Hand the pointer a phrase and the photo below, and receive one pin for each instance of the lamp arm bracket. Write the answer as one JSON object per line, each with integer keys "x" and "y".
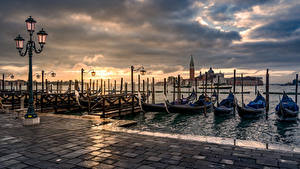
{"x": 37, "y": 50}
{"x": 26, "y": 50}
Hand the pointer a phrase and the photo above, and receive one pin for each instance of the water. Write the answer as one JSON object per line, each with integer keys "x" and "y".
{"x": 264, "y": 130}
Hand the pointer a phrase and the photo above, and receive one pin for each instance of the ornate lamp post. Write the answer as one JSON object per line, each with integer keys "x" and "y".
{"x": 30, "y": 48}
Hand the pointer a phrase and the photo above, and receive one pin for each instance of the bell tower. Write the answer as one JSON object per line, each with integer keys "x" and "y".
{"x": 192, "y": 69}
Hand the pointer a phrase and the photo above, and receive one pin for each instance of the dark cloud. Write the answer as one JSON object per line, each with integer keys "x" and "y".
{"x": 160, "y": 34}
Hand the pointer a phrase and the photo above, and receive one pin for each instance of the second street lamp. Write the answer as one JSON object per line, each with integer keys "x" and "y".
{"x": 93, "y": 73}
{"x": 30, "y": 48}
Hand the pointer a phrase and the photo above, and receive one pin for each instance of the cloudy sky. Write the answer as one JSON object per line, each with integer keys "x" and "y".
{"x": 111, "y": 35}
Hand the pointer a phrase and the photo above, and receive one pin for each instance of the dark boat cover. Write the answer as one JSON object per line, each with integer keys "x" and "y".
{"x": 287, "y": 103}
{"x": 258, "y": 103}
{"x": 228, "y": 102}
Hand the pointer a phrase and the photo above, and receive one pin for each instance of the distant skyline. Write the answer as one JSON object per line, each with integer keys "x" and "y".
{"x": 110, "y": 36}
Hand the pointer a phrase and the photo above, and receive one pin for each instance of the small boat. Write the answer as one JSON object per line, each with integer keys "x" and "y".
{"x": 287, "y": 109}
{"x": 203, "y": 104}
{"x": 254, "y": 109}
{"x": 226, "y": 107}
{"x": 160, "y": 107}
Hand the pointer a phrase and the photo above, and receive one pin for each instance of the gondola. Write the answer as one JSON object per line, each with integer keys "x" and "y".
{"x": 203, "y": 104}
{"x": 254, "y": 109}
{"x": 287, "y": 109}
{"x": 226, "y": 107}
{"x": 160, "y": 107}
{"x": 84, "y": 101}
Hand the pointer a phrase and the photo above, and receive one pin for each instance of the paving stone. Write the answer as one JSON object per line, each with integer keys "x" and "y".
{"x": 199, "y": 157}
{"x": 267, "y": 162}
{"x": 288, "y": 163}
{"x": 103, "y": 166}
{"x": 226, "y": 161}
{"x": 152, "y": 158}
{"x": 145, "y": 167}
{"x": 18, "y": 166}
{"x": 88, "y": 164}
{"x": 132, "y": 155}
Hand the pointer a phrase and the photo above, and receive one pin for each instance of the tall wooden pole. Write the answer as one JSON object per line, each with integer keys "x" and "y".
{"x": 3, "y": 81}
{"x": 47, "y": 89}
{"x": 132, "y": 88}
{"x": 174, "y": 87}
{"x": 139, "y": 83}
{"x": 165, "y": 86}
{"x": 242, "y": 79}
{"x": 234, "y": 80}
{"x": 108, "y": 86}
{"x": 153, "y": 91}
{"x": 97, "y": 85}
{"x": 178, "y": 88}
{"x": 43, "y": 76}
{"x": 121, "y": 86}
{"x": 101, "y": 86}
{"x": 196, "y": 86}
{"x": 255, "y": 87}
{"x": 147, "y": 90}
{"x": 205, "y": 83}
{"x": 143, "y": 86}
{"x": 126, "y": 87}
{"x": 218, "y": 90}
{"x": 296, "y": 92}
{"x": 104, "y": 88}
{"x": 115, "y": 86}
{"x": 82, "y": 87}
{"x": 267, "y": 91}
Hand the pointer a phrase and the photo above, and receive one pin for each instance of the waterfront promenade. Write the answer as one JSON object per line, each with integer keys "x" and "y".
{"x": 60, "y": 142}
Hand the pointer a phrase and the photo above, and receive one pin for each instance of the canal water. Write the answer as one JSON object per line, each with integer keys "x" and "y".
{"x": 263, "y": 130}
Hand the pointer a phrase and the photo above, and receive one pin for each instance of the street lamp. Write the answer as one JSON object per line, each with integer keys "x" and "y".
{"x": 93, "y": 73}
{"x": 30, "y": 48}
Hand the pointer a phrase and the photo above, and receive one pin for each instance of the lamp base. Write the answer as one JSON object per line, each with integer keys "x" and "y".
{"x": 31, "y": 121}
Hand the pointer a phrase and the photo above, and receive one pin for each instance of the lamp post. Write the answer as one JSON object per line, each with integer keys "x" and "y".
{"x": 30, "y": 48}
{"x": 93, "y": 73}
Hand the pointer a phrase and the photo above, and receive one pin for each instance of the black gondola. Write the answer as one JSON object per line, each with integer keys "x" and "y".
{"x": 254, "y": 109}
{"x": 160, "y": 107}
{"x": 287, "y": 109}
{"x": 203, "y": 104}
{"x": 226, "y": 107}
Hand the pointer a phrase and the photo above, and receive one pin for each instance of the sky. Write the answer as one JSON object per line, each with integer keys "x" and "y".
{"x": 109, "y": 36}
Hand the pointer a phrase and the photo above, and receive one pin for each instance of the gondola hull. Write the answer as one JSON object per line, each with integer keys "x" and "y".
{"x": 223, "y": 111}
{"x": 248, "y": 112}
{"x": 285, "y": 114}
{"x": 153, "y": 107}
{"x": 188, "y": 108}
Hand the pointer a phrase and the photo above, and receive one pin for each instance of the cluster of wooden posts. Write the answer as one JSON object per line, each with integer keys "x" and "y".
{"x": 57, "y": 98}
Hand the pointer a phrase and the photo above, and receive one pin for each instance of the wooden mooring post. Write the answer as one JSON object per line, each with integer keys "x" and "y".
{"x": 218, "y": 91}
{"x": 126, "y": 90}
{"x": 121, "y": 86}
{"x": 43, "y": 75}
{"x": 143, "y": 87}
{"x": 82, "y": 85}
{"x": 147, "y": 90}
{"x": 115, "y": 86}
{"x": 3, "y": 81}
{"x": 296, "y": 92}
{"x": 108, "y": 86}
{"x": 101, "y": 86}
{"x": 178, "y": 88}
{"x": 165, "y": 86}
{"x": 174, "y": 88}
{"x": 104, "y": 88}
{"x": 205, "y": 84}
{"x": 93, "y": 86}
{"x": 242, "y": 79}
{"x": 153, "y": 91}
{"x": 97, "y": 86}
{"x": 139, "y": 83}
{"x": 196, "y": 86}
{"x": 234, "y": 80}
{"x": 267, "y": 92}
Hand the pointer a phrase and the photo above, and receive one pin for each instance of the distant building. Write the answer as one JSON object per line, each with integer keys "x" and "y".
{"x": 248, "y": 81}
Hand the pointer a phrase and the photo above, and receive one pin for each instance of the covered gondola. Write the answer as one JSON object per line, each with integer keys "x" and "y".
{"x": 203, "y": 104}
{"x": 226, "y": 107}
{"x": 287, "y": 109}
{"x": 160, "y": 107}
{"x": 254, "y": 109}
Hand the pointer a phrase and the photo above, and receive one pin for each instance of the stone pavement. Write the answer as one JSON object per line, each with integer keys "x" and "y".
{"x": 74, "y": 143}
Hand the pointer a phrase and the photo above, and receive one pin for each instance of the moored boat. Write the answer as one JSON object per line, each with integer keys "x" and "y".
{"x": 226, "y": 107}
{"x": 254, "y": 109}
{"x": 203, "y": 104}
{"x": 287, "y": 109}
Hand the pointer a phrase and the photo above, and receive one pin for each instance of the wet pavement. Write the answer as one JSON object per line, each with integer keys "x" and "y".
{"x": 60, "y": 142}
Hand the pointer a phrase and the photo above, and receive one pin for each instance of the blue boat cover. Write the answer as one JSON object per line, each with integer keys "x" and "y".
{"x": 287, "y": 103}
{"x": 228, "y": 102}
{"x": 258, "y": 103}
